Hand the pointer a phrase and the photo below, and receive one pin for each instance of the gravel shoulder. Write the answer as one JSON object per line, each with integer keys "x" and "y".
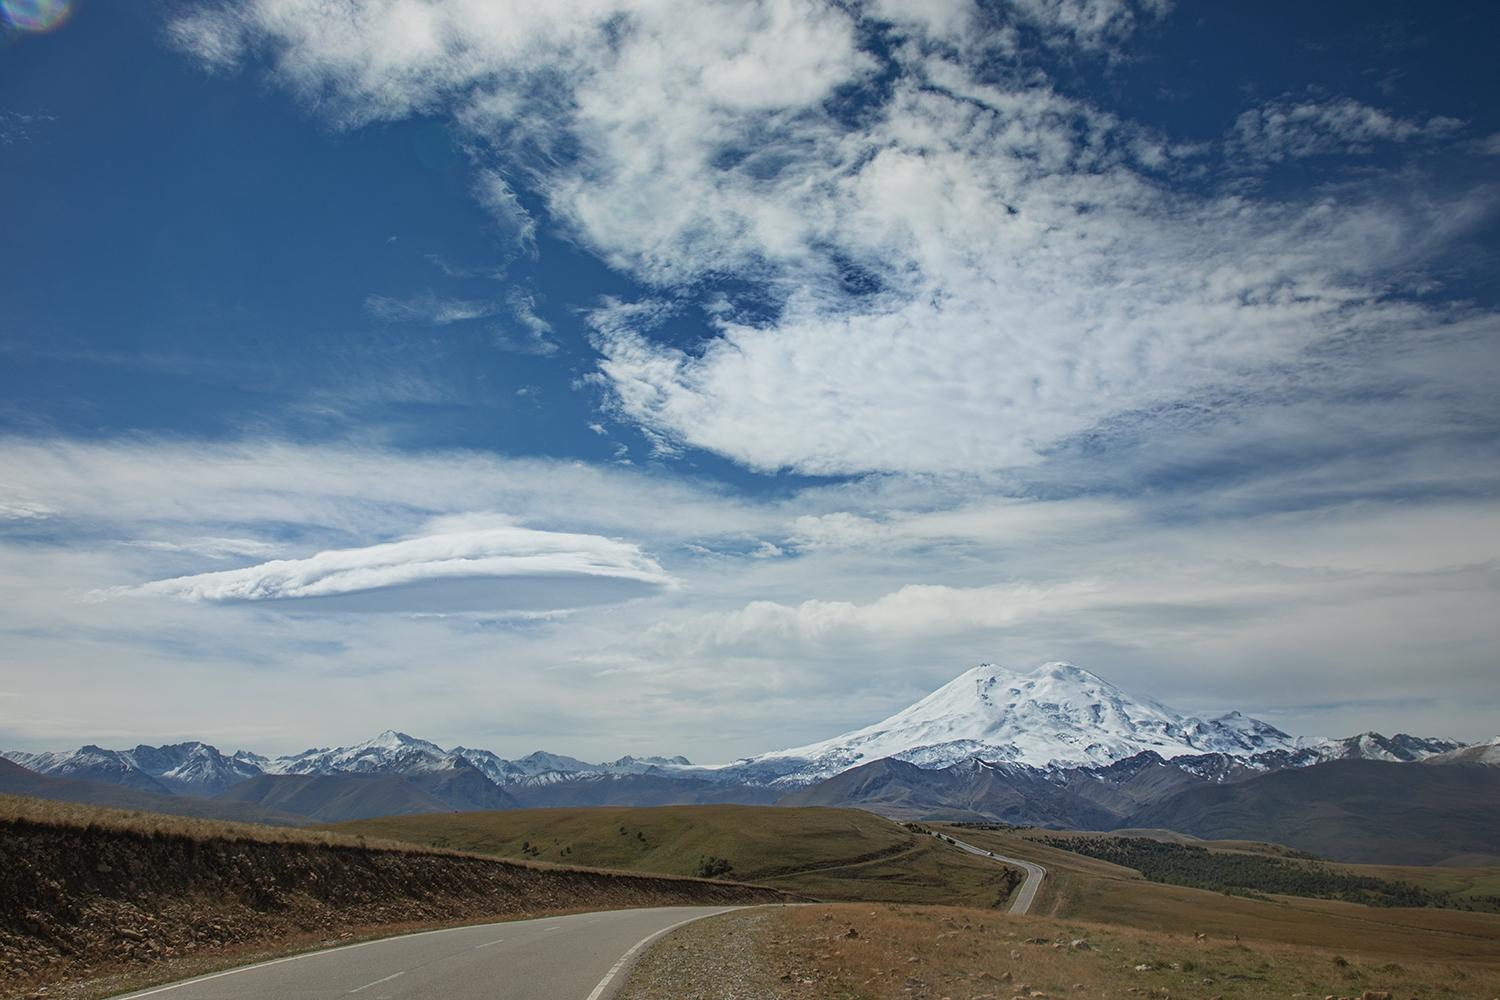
{"x": 729, "y": 957}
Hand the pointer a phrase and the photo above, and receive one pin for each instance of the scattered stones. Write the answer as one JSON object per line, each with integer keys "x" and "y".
{"x": 1080, "y": 944}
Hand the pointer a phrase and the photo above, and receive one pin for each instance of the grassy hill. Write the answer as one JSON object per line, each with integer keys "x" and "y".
{"x": 824, "y": 853}
{"x": 94, "y": 901}
{"x": 1079, "y": 887}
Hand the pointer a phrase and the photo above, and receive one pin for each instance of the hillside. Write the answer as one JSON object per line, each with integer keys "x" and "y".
{"x": 118, "y": 899}
{"x": 1082, "y": 888}
{"x": 825, "y": 853}
{"x": 966, "y": 790}
{"x": 1355, "y": 810}
{"x": 333, "y": 797}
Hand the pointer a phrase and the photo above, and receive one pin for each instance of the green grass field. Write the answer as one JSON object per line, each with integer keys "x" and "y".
{"x": 831, "y": 854}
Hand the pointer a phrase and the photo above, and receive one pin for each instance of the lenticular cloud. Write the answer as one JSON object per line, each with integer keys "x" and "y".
{"x": 415, "y": 565}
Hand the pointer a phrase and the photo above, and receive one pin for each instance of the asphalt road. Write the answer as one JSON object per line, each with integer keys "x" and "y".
{"x": 579, "y": 957}
{"x": 1026, "y": 895}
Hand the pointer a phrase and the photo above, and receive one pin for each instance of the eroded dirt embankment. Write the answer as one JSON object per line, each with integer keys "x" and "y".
{"x": 84, "y": 907}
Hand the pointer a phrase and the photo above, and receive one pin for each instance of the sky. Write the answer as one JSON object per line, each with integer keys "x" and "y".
{"x": 679, "y": 376}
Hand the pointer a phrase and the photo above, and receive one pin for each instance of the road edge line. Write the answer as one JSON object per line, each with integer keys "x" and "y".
{"x": 624, "y": 960}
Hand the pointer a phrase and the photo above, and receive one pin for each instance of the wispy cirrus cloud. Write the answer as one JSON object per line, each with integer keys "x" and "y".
{"x": 19, "y": 126}
{"x": 429, "y": 308}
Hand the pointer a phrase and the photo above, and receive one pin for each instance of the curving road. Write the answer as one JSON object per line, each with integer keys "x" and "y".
{"x": 1026, "y": 895}
{"x": 579, "y": 957}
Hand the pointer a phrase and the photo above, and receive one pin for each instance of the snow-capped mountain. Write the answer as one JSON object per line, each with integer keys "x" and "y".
{"x": 389, "y": 753}
{"x": 1058, "y": 715}
{"x": 1373, "y": 746}
{"x": 1485, "y": 754}
{"x": 200, "y": 769}
{"x": 191, "y": 768}
{"x": 1055, "y": 723}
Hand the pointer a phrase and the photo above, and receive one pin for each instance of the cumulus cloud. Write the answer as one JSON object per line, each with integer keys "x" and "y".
{"x": 1294, "y": 129}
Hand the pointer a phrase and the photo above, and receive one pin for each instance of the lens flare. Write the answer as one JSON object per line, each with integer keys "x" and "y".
{"x": 34, "y": 15}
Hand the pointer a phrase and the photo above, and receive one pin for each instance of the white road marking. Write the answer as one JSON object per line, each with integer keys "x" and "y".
{"x": 614, "y": 970}
{"x": 258, "y": 965}
{"x": 292, "y": 958}
{"x": 488, "y": 943}
{"x": 377, "y": 982}
{"x": 598, "y": 990}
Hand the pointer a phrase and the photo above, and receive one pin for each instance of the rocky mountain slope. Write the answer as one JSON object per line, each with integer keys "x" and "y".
{"x": 1380, "y": 812}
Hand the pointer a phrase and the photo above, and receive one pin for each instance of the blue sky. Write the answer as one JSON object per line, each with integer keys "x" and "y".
{"x": 689, "y": 377}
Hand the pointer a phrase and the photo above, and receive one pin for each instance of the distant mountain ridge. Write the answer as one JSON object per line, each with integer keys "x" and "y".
{"x": 1057, "y": 745}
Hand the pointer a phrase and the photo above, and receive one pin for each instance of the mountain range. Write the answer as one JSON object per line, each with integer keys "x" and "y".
{"x": 1055, "y": 746}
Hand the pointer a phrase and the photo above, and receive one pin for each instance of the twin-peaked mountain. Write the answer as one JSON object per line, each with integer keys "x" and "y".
{"x": 1057, "y": 716}
{"x": 1055, "y": 746}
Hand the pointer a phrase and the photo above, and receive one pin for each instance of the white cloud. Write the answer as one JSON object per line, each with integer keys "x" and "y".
{"x": 428, "y": 308}
{"x": 996, "y": 292}
{"x": 1293, "y": 129}
{"x": 884, "y": 587}
{"x": 1091, "y": 24}
{"x": 446, "y": 552}
{"x": 536, "y": 336}
{"x": 214, "y": 548}
{"x": 496, "y": 194}
{"x": 21, "y": 509}
{"x": 968, "y": 272}
{"x": 18, "y": 126}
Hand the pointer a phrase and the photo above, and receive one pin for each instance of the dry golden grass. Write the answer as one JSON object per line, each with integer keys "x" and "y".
{"x": 1083, "y": 888}
{"x": 862, "y": 952}
{"x": 69, "y": 814}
